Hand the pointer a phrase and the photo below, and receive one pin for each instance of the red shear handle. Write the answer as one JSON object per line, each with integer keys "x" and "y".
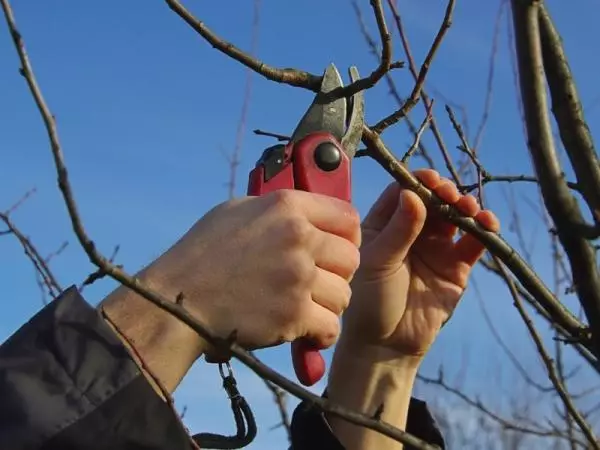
{"x": 296, "y": 166}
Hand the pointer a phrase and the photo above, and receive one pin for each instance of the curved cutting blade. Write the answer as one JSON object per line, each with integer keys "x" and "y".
{"x": 324, "y": 115}
{"x": 353, "y": 134}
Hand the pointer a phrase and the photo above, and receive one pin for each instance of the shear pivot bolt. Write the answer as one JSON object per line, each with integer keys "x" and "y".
{"x": 328, "y": 156}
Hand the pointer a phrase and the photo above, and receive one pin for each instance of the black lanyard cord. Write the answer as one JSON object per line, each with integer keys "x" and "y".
{"x": 242, "y": 414}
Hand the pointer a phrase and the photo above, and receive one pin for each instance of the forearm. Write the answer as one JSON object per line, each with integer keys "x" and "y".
{"x": 365, "y": 383}
{"x": 163, "y": 347}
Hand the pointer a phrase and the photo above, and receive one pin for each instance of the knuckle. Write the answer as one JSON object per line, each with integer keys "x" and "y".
{"x": 348, "y": 261}
{"x": 297, "y": 231}
{"x": 354, "y": 218}
{"x": 354, "y": 226}
{"x": 298, "y": 270}
{"x": 283, "y": 200}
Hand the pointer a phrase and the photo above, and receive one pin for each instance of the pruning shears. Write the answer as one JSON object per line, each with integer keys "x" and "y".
{"x": 316, "y": 159}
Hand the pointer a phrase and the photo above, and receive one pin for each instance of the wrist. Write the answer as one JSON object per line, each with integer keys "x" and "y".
{"x": 162, "y": 344}
{"x": 374, "y": 367}
{"x": 376, "y": 355}
{"x": 363, "y": 381}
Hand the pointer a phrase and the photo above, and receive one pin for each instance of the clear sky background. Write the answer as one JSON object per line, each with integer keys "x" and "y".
{"x": 146, "y": 108}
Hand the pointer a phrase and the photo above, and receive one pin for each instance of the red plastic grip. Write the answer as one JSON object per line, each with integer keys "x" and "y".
{"x": 300, "y": 171}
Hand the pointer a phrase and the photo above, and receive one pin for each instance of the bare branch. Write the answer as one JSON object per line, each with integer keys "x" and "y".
{"x": 488, "y": 412}
{"x": 234, "y": 160}
{"x": 40, "y": 264}
{"x": 426, "y": 101}
{"x": 568, "y": 113}
{"x": 487, "y": 178}
{"x": 294, "y": 77}
{"x": 413, "y": 148}
{"x": 507, "y": 351}
{"x": 415, "y": 95}
{"x": 279, "y": 137}
{"x": 487, "y": 105}
{"x": 152, "y": 378}
{"x": 391, "y": 85}
{"x": 554, "y": 378}
{"x": 279, "y": 397}
{"x": 559, "y": 201}
{"x": 466, "y": 149}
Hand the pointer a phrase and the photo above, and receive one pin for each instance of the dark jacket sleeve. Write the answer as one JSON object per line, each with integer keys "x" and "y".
{"x": 67, "y": 382}
{"x": 310, "y": 429}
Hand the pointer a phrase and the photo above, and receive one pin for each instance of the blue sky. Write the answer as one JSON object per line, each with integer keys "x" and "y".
{"x": 145, "y": 109}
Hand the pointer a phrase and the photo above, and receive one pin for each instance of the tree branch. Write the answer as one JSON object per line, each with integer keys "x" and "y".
{"x": 294, "y": 77}
{"x": 561, "y": 205}
{"x": 554, "y": 378}
{"x": 46, "y": 277}
{"x": 415, "y": 95}
{"x": 486, "y": 411}
{"x": 412, "y": 66}
{"x": 568, "y": 112}
{"x": 392, "y": 85}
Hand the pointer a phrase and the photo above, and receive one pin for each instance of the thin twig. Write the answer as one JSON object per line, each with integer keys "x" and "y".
{"x": 558, "y": 385}
{"x": 466, "y": 149}
{"x": 47, "y": 279}
{"x": 279, "y": 137}
{"x": 477, "y": 404}
{"x": 507, "y": 351}
{"x": 414, "y": 147}
{"x": 509, "y": 179}
{"x": 153, "y": 378}
{"x": 415, "y": 95}
{"x": 423, "y": 153}
{"x": 234, "y": 159}
{"x": 426, "y": 101}
{"x": 279, "y": 397}
{"x": 487, "y": 104}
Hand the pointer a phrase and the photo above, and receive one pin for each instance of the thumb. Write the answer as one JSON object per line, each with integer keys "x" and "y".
{"x": 382, "y": 210}
{"x": 394, "y": 242}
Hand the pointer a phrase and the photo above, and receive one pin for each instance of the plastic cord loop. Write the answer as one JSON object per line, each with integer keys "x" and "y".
{"x": 242, "y": 414}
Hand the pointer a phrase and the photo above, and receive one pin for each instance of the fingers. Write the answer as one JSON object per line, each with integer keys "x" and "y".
{"x": 331, "y": 292}
{"x": 336, "y": 255}
{"x": 447, "y": 192}
{"x": 468, "y": 248}
{"x": 468, "y": 205}
{"x": 326, "y": 213}
{"x": 323, "y": 326}
{"x": 331, "y": 297}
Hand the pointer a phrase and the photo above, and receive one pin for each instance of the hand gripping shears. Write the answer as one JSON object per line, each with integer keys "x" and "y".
{"x": 316, "y": 159}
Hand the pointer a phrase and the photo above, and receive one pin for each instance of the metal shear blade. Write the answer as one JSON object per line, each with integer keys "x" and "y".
{"x": 333, "y": 116}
